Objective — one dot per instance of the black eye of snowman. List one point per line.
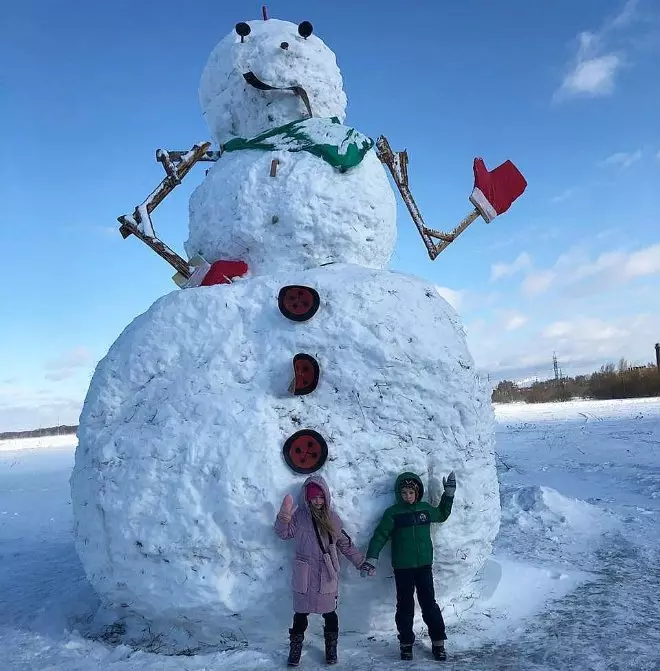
(243, 30)
(305, 29)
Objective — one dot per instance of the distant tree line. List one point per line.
(38, 433)
(611, 381)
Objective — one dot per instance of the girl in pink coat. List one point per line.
(318, 533)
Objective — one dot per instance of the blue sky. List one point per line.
(568, 90)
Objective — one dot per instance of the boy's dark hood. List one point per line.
(408, 476)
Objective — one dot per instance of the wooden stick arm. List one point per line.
(176, 156)
(397, 162)
(176, 164)
(128, 227)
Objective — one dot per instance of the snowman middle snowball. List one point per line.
(309, 213)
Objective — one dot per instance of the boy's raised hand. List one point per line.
(449, 484)
(287, 509)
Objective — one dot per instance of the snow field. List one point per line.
(557, 594)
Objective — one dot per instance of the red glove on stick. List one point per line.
(495, 191)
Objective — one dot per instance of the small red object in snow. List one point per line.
(222, 272)
(494, 192)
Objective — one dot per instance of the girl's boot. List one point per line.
(330, 646)
(295, 647)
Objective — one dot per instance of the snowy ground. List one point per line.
(573, 583)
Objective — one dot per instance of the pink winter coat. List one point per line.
(315, 575)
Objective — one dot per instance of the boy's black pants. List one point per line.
(407, 581)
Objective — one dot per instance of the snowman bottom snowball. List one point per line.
(180, 468)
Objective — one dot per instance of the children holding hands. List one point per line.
(318, 533)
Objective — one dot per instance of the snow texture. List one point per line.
(179, 472)
(557, 597)
(234, 108)
(308, 215)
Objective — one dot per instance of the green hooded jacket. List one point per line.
(409, 527)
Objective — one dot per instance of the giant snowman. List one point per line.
(218, 400)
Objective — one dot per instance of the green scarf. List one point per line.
(340, 146)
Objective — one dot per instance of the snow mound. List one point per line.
(179, 470)
(543, 511)
(235, 109)
(507, 593)
(309, 215)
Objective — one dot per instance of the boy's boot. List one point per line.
(295, 647)
(406, 651)
(330, 646)
(438, 650)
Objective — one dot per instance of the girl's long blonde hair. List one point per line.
(323, 521)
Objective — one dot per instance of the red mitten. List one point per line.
(495, 191)
(222, 272)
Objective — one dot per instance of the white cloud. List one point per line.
(583, 329)
(643, 262)
(564, 195)
(78, 357)
(23, 418)
(626, 15)
(619, 266)
(583, 340)
(623, 159)
(23, 407)
(576, 272)
(582, 345)
(515, 322)
(537, 283)
(499, 270)
(453, 297)
(59, 375)
(593, 70)
(593, 76)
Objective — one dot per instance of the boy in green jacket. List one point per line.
(408, 524)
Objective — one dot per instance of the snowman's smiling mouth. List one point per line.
(254, 81)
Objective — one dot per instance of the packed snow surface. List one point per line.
(234, 108)
(308, 215)
(558, 593)
(179, 472)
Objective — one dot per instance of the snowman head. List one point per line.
(253, 79)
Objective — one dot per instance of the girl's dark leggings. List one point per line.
(300, 622)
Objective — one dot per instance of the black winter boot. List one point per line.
(438, 650)
(295, 647)
(330, 646)
(406, 651)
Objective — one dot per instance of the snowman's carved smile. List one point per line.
(254, 81)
